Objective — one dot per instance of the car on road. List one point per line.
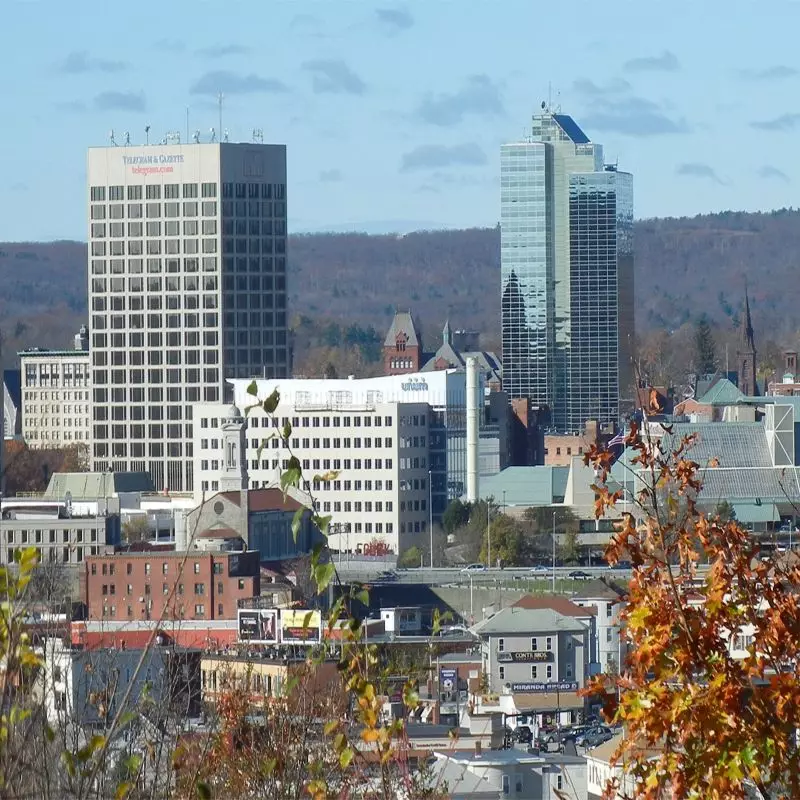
(594, 736)
(539, 569)
(579, 575)
(386, 575)
(474, 568)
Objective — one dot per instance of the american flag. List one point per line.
(617, 440)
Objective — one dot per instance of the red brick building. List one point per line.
(139, 586)
(402, 349)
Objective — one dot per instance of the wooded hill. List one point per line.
(684, 267)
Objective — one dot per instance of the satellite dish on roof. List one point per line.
(544, 105)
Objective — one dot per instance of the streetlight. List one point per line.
(554, 552)
(430, 510)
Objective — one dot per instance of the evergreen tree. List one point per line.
(705, 349)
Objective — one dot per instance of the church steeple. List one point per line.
(447, 336)
(746, 354)
(746, 332)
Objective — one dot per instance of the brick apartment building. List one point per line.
(138, 586)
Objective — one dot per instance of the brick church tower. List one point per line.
(402, 349)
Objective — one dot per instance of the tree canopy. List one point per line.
(709, 695)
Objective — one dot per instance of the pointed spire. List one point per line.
(447, 336)
(746, 327)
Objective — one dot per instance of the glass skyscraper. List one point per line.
(567, 274)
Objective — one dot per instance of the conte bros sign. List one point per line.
(532, 656)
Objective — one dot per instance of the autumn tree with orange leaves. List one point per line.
(701, 719)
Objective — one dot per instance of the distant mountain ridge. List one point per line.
(684, 267)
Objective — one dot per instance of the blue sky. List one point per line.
(393, 113)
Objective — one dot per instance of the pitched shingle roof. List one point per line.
(528, 620)
(403, 322)
(598, 589)
(555, 602)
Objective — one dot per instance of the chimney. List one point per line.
(478, 749)
(473, 407)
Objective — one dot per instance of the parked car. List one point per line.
(594, 736)
(540, 569)
(553, 735)
(579, 575)
(474, 568)
(453, 630)
(522, 734)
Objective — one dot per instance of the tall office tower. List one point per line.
(187, 287)
(566, 273)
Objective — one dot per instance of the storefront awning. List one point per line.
(548, 701)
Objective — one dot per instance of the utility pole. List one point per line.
(554, 552)
(488, 532)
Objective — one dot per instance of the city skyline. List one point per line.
(382, 140)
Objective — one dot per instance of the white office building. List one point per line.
(55, 395)
(397, 443)
(187, 287)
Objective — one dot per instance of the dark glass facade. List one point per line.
(601, 278)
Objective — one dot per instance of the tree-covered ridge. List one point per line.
(685, 267)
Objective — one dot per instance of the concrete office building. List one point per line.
(398, 442)
(60, 531)
(55, 395)
(566, 274)
(187, 287)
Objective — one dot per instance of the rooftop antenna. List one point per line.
(225, 135)
(196, 137)
(173, 137)
(111, 137)
(127, 138)
(187, 123)
(147, 134)
(213, 135)
(220, 98)
(258, 135)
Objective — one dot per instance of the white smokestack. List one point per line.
(473, 409)
(179, 520)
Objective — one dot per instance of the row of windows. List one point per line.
(199, 588)
(136, 247)
(136, 230)
(266, 191)
(57, 435)
(32, 395)
(366, 421)
(152, 191)
(152, 210)
(53, 536)
(266, 211)
(328, 464)
(535, 672)
(155, 375)
(66, 554)
(356, 506)
(199, 611)
(156, 339)
(155, 450)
